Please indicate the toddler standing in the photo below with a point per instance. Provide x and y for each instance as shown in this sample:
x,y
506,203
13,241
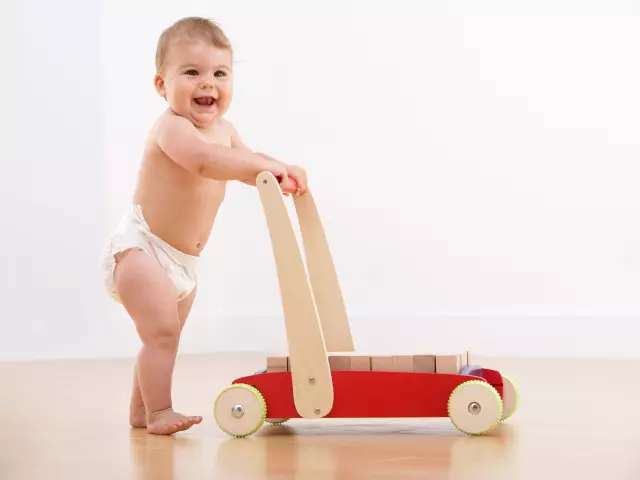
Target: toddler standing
x,y
190,154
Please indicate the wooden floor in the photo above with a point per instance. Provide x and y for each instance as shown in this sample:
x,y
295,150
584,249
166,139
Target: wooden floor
x,y
578,419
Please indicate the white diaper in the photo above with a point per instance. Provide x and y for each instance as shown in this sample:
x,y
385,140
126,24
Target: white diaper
x,y
133,232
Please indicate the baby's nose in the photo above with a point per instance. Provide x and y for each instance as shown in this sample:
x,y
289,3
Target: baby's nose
x,y
207,82
210,85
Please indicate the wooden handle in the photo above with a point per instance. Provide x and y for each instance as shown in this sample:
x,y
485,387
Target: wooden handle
x,y
323,277
309,365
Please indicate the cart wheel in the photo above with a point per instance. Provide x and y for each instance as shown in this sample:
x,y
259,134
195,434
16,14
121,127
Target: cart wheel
x,y
510,397
240,410
475,407
277,421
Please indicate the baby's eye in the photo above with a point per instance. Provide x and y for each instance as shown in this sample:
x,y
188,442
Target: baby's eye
x,y
192,72
220,73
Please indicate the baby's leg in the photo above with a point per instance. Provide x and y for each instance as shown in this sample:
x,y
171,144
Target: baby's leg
x,y
149,297
137,412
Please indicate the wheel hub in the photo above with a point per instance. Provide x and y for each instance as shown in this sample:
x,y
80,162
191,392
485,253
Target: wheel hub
x,y
474,408
237,411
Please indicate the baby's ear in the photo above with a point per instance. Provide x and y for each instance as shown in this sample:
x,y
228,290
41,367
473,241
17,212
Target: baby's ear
x,y
158,82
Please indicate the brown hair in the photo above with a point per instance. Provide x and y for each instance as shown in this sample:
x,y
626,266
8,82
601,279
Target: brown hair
x,y
192,28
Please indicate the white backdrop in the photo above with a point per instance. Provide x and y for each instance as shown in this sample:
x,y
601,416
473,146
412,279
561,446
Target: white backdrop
x,y
52,183
476,169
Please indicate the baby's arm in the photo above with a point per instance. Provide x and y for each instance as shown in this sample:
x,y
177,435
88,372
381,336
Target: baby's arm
x,y
297,173
236,142
188,147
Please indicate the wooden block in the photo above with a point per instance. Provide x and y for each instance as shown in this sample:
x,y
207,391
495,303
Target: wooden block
x,y
402,363
448,363
339,363
277,364
382,363
424,363
360,363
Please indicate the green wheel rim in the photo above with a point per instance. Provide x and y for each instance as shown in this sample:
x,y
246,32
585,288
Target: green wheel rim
x,y
491,391
262,405
507,415
277,421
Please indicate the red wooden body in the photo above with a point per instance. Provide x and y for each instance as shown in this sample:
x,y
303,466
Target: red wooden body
x,y
372,394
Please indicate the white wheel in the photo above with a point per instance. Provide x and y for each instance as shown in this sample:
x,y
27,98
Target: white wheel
x,y
240,410
475,407
510,397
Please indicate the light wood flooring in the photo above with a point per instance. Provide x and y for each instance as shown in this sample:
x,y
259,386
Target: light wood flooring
x,y
578,419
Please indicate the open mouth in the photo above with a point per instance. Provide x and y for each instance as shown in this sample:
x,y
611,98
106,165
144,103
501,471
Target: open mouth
x,y
205,101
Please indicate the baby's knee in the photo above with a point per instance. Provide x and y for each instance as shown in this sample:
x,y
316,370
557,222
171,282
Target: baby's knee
x,y
164,336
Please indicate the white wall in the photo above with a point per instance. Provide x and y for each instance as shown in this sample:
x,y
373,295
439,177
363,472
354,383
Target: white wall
x,y
483,162
52,187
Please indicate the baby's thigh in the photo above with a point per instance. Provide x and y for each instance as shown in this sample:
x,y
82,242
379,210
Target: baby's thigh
x,y
146,292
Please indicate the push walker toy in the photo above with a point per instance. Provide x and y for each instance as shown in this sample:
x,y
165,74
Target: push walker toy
x,y
323,377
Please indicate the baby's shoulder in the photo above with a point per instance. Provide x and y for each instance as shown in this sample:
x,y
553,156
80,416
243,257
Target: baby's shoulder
x,y
163,124
226,126
221,132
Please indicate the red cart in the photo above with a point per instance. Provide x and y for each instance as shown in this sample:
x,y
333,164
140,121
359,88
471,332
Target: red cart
x,y
323,376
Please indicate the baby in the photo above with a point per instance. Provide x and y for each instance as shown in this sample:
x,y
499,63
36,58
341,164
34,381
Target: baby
x,y
191,152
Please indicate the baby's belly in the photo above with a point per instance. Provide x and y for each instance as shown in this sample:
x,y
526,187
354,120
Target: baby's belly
x,y
184,227
188,238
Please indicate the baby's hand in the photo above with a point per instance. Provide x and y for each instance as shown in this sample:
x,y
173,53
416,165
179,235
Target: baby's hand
x,y
293,171
300,176
279,171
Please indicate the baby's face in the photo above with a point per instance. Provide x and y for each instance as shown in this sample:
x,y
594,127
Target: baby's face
x,y
196,81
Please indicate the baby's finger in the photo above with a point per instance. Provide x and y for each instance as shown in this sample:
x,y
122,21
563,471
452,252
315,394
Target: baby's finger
x,y
290,186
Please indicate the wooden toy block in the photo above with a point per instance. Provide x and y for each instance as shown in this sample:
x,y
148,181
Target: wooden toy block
x,y
402,363
361,363
277,364
339,362
424,363
392,363
382,363
448,363
389,363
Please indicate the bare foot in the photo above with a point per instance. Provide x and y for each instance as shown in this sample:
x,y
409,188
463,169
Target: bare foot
x,y
138,416
167,422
